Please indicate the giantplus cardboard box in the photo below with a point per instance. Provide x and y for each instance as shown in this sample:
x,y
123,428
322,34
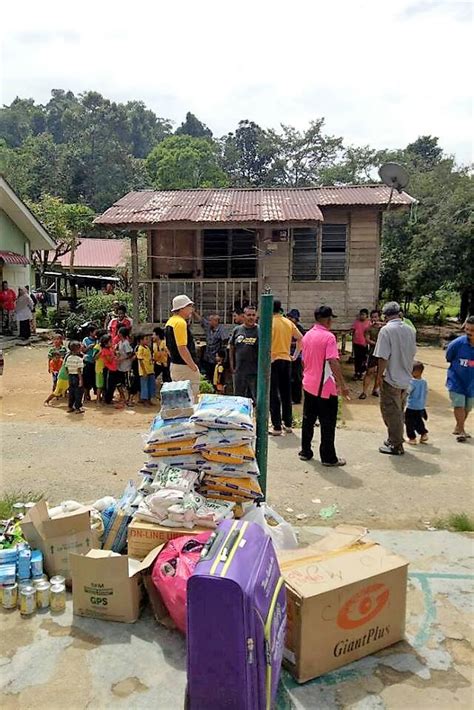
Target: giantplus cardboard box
x,y
106,585
58,537
144,537
346,598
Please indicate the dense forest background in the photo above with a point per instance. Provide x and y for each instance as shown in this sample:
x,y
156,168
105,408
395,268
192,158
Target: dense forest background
x,y
75,155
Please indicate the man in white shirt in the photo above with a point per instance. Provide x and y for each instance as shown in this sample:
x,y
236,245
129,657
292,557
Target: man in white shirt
x,y
395,350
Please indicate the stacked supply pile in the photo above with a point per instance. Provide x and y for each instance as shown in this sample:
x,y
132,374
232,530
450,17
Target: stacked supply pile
x,y
226,442
172,501
172,475
216,444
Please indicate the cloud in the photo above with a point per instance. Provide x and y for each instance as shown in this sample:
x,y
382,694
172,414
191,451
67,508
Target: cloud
x,y
381,73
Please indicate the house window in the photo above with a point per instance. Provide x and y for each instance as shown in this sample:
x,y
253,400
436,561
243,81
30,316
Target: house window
x,y
229,254
319,255
305,254
333,252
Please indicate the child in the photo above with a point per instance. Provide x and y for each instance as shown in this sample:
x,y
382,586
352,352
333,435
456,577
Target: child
x,y
57,352
62,384
145,370
54,366
89,363
134,386
359,343
415,412
74,365
371,335
99,366
160,355
110,367
125,356
218,379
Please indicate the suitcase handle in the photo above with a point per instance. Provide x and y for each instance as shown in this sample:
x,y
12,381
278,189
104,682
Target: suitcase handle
x,y
231,542
210,548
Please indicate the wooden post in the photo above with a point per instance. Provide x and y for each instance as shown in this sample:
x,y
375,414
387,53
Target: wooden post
x,y
135,294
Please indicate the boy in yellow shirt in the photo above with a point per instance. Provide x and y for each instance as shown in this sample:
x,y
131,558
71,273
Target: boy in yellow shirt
x,y
160,355
145,369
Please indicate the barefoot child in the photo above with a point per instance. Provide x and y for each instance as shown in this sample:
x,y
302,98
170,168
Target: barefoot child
x,y
218,379
145,370
74,366
62,385
56,352
99,366
415,412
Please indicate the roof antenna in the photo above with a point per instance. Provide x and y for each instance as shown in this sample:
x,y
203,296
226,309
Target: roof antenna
x,y
395,176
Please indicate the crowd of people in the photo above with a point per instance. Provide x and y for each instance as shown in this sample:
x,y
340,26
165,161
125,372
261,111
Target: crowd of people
x,y
113,363
18,306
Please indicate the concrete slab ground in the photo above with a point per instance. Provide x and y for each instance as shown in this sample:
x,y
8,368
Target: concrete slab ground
x,y
51,662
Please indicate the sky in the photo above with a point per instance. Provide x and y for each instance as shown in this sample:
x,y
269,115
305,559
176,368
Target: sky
x,y
380,72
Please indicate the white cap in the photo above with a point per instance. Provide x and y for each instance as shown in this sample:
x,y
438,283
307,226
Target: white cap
x,y
180,302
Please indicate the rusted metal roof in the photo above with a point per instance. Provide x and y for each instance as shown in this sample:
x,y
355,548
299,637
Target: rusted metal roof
x,y
357,195
236,205
97,254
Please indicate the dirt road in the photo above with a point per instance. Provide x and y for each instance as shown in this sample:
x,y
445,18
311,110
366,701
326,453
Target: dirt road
x,y
85,457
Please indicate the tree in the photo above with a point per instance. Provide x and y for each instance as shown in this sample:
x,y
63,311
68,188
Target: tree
x,y
356,166
424,251
248,155
425,153
303,155
181,162
192,126
22,119
65,223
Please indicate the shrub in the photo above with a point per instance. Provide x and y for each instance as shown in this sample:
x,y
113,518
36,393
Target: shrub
x,y
96,306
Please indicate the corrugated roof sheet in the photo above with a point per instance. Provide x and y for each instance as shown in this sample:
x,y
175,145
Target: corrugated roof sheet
x,y
235,205
11,257
97,254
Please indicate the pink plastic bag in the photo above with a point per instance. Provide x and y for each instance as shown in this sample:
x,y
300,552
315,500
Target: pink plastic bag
x,y
173,567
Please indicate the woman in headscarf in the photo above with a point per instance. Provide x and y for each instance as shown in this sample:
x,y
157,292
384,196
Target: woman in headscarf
x,y
24,309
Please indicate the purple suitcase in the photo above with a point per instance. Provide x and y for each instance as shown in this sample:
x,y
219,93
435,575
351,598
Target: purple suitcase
x,y
236,602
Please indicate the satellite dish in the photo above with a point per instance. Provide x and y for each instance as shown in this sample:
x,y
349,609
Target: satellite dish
x,y
394,175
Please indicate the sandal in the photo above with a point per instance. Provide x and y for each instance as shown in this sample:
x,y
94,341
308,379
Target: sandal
x,y
363,396
461,438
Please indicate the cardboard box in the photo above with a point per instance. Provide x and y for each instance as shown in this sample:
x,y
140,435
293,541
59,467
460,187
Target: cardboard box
x,y
144,537
346,599
106,585
58,537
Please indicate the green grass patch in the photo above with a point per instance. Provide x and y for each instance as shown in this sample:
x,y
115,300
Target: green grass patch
x,y
458,522
7,500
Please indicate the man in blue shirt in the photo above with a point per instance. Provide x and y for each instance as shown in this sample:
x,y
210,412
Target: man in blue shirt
x,y
460,379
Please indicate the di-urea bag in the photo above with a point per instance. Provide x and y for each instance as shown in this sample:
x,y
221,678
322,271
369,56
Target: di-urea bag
x,y
167,430
173,567
217,411
208,439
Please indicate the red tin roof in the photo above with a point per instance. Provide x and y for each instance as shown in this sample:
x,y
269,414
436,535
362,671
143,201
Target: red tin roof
x,y
97,254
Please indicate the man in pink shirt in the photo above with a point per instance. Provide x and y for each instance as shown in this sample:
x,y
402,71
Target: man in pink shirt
x,y
359,342
322,374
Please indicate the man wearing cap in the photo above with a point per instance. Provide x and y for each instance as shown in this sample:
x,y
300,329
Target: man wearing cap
x,y
395,350
296,365
322,374
216,339
180,343
283,330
